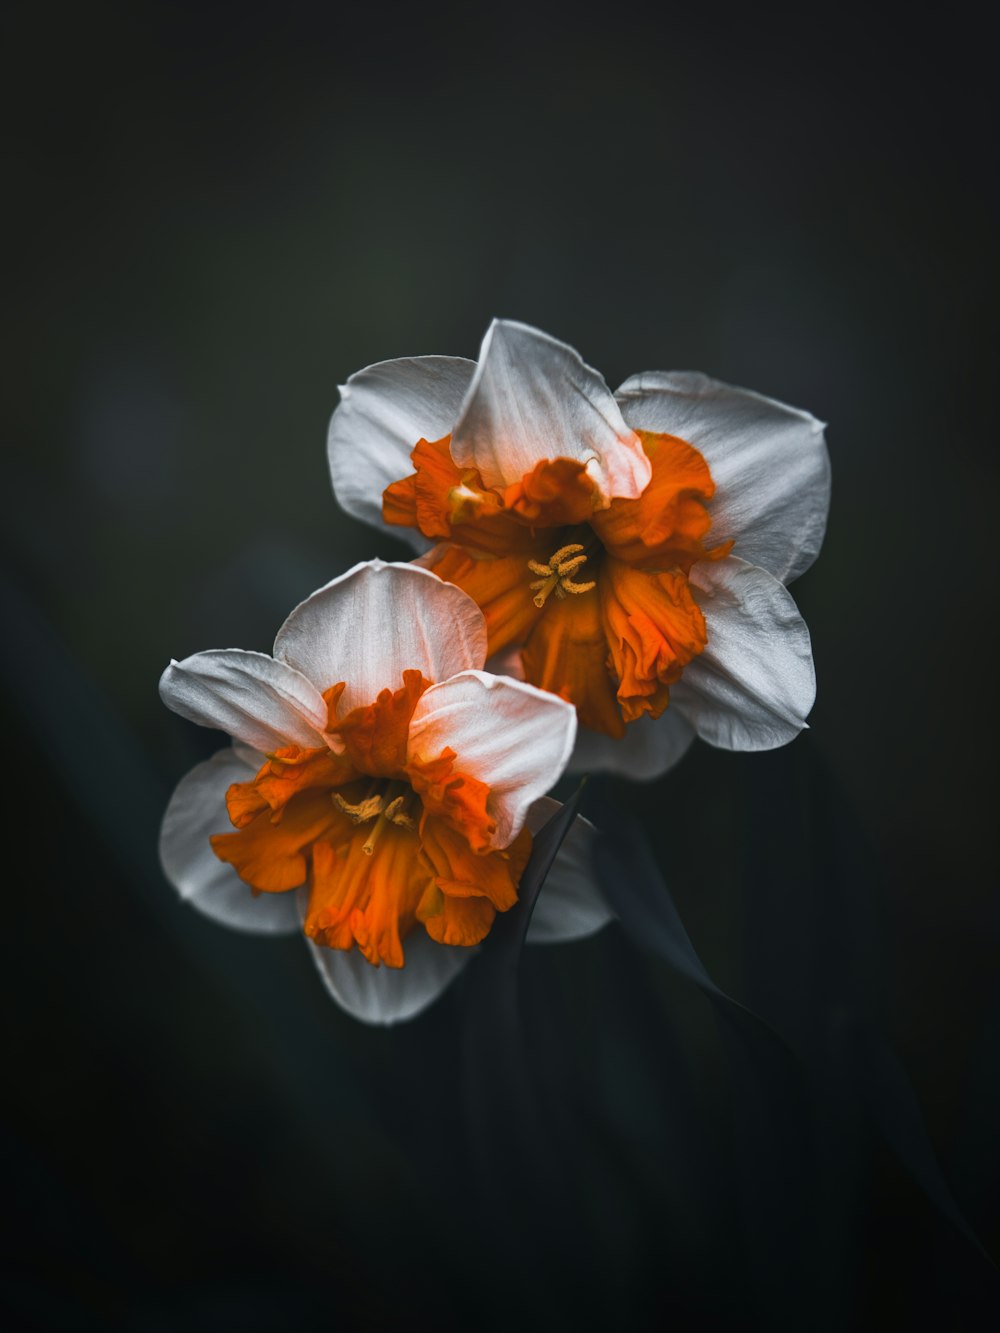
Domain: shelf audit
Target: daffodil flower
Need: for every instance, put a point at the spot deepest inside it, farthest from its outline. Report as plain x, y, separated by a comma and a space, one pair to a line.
381, 789
628, 550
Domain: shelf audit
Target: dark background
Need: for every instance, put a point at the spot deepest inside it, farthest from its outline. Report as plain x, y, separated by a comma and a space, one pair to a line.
215, 215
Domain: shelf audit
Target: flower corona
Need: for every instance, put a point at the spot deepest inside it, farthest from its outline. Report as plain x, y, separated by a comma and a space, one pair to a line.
595, 593
384, 839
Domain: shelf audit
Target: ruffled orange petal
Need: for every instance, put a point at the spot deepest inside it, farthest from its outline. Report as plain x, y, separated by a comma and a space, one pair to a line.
448, 503
375, 735
421, 499
333, 895
286, 773
500, 587
456, 921
244, 802
270, 851
460, 800
666, 525
556, 493
654, 629
567, 654
367, 899
331, 698
460, 873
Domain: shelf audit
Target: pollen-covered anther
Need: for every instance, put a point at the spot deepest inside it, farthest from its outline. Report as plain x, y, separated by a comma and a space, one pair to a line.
362, 811
396, 813
397, 804
556, 576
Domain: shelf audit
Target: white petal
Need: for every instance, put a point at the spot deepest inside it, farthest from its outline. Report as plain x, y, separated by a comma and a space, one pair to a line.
510, 735
196, 810
255, 758
376, 621
769, 463
390, 994
261, 702
648, 749
570, 905
753, 686
534, 398
384, 410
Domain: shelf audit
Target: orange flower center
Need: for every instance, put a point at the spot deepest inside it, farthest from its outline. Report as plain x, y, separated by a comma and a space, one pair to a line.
383, 840
596, 598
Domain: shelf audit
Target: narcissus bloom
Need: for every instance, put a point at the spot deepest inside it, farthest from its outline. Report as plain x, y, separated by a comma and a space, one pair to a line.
629, 551
378, 772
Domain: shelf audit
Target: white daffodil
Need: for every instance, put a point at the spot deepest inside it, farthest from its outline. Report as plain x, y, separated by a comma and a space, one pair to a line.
628, 550
381, 790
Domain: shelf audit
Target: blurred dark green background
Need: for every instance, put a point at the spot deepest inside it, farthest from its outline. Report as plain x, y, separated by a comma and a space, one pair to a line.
215, 214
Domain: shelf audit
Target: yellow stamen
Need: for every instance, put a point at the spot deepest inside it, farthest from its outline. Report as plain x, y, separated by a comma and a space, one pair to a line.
565, 551
370, 808
544, 588
381, 824
397, 813
556, 576
392, 808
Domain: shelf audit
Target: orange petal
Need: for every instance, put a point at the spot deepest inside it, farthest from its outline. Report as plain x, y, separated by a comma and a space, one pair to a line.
375, 735
458, 921
334, 891
556, 493
331, 698
457, 798
500, 587
270, 851
447, 503
460, 873
367, 899
654, 628
567, 654
666, 524
244, 802
286, 773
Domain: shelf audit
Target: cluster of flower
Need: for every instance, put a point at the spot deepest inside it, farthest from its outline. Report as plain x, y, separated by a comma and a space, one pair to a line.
619, 560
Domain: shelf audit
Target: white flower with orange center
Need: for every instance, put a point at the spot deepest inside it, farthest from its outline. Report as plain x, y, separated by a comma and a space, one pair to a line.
381, 774
629, 551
